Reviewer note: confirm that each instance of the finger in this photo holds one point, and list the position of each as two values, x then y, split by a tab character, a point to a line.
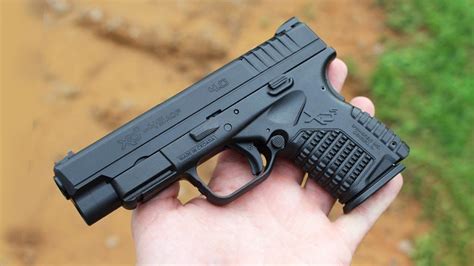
322	198
365	104
355	225
319	197
286	173
157	207
231	172
167	198
337	74
170	193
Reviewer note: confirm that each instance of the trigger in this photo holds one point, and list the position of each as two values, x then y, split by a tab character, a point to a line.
252	154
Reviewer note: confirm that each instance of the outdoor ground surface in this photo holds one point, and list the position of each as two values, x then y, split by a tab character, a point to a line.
74	70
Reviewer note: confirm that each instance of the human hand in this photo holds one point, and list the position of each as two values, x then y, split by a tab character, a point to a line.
276	222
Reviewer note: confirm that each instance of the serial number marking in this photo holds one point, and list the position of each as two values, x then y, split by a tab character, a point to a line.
365	138
201	145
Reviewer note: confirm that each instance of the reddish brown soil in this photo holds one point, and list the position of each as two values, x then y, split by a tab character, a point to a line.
71	73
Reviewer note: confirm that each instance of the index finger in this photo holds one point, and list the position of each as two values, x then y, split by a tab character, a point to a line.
337	73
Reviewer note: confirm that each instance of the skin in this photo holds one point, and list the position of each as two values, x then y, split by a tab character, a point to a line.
276	222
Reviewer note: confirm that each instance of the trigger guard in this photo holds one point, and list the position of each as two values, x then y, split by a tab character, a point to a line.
254	158
216	199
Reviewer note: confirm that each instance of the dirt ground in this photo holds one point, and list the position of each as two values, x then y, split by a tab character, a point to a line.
74	70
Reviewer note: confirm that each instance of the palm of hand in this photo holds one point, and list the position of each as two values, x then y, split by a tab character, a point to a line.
276	222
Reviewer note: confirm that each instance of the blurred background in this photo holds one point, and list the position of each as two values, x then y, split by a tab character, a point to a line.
73	70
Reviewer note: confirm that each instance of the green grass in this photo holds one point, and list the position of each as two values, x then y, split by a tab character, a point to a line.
424	88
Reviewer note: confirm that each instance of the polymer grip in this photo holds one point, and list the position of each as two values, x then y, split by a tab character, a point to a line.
344	168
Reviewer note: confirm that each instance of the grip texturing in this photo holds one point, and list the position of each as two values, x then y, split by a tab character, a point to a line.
331	159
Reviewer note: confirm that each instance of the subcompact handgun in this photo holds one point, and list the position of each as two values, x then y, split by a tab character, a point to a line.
274	100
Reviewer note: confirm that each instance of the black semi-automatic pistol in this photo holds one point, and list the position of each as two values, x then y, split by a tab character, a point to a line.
274	100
